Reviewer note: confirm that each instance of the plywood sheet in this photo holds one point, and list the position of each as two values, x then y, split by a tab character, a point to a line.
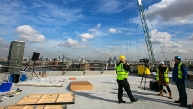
64	98
13	107
55	107
34	96
35	107
50	96
60	100
28	101
46	100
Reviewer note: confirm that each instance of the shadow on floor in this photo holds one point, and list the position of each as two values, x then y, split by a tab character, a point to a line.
141	96
90	95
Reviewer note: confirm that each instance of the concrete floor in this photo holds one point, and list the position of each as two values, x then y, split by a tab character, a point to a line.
104	94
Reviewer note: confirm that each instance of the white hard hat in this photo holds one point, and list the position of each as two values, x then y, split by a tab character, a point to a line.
161	62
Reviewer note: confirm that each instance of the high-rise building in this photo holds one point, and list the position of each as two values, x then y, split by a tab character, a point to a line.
115	60
15	57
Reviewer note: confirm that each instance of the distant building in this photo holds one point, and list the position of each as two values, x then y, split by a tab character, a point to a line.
15	57
110	60
114	60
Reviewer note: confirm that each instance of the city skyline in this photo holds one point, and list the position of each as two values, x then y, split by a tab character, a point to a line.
97	30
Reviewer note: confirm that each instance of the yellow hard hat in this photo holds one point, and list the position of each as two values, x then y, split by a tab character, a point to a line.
121	57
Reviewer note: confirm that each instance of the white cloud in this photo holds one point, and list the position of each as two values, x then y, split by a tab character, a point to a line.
191	50
71	44
98	25
172	45
27	33
160	37
87	36
115	48
113	30
183	42
181	51
47	13
175	11
84	40
191	37
104	52
96	31
3	43
109	6
164	39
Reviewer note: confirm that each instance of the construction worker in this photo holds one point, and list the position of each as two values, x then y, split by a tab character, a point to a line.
189	64
122	69
179	77
163	79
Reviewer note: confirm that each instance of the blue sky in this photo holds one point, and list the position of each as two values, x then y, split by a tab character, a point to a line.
97	29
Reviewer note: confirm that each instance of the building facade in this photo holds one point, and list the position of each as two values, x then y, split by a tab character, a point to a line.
15	57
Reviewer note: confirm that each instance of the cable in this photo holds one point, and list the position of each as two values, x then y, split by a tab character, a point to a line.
126	29
156	36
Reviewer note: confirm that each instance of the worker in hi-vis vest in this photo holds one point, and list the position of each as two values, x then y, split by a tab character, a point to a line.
179	77
163	79
122	70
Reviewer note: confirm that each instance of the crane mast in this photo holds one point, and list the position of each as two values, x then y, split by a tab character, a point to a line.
146	33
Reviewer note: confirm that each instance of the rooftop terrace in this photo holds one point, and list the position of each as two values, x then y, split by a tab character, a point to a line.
104	93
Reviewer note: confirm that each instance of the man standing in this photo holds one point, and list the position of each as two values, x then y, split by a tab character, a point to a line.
122	70
179	77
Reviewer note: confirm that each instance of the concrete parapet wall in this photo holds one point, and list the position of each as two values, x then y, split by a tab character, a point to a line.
4	76
79	73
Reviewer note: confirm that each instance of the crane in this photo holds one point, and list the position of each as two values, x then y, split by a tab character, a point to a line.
146	33
148	42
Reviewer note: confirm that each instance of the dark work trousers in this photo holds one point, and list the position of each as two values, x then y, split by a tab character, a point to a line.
168	88
182	92
124	84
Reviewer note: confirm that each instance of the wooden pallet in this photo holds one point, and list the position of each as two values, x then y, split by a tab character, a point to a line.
35	107
81	85
65	98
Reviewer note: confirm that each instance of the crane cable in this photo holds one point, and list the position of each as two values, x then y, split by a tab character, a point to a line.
156	37
127	33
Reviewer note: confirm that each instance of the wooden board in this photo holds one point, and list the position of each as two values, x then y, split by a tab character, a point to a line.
72	78
38	84
64	98
28	101
81	85
13	107
35	107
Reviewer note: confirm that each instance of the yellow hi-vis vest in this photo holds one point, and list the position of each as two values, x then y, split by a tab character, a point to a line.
165	75
121	72
179	71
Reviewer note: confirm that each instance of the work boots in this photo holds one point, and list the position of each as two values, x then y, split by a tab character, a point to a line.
170	95
121	101
160	93
134	100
